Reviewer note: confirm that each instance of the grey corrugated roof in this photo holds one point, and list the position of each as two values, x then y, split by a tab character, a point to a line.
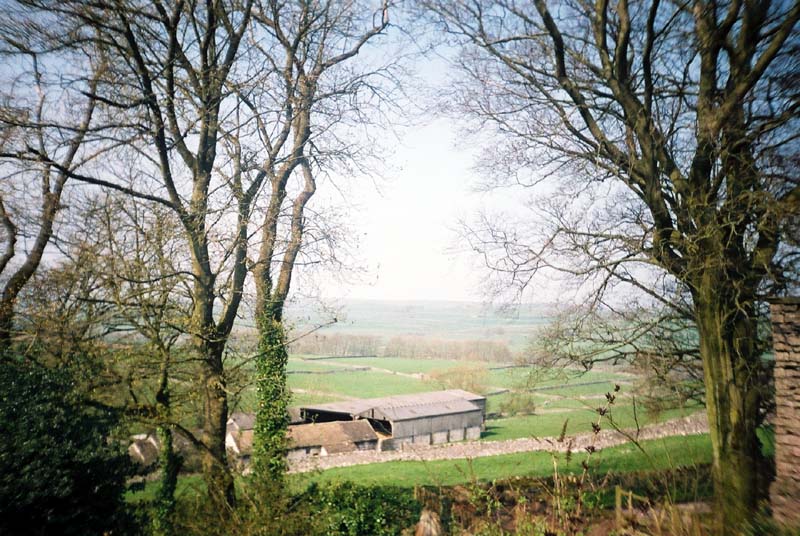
347	407
404	413
247	421
466	395
403	407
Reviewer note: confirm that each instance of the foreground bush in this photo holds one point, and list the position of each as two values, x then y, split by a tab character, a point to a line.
352	510
341	509
59	474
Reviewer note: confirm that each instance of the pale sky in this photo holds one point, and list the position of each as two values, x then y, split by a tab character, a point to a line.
409	225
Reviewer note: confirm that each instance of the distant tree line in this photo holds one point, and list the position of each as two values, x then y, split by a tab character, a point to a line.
342	345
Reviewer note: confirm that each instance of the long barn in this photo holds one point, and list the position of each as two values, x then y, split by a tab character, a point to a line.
419	419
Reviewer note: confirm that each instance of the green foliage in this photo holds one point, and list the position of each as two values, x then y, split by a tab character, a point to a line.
469	377
59	473
272	415
170	464
518	403
349	509
336	509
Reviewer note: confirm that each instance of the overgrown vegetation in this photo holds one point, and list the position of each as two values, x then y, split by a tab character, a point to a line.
62	468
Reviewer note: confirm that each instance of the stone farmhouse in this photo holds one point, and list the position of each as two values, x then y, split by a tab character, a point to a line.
321	439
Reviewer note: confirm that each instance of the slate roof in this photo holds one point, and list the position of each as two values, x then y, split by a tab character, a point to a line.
240	442
405	407
340	436
241	421
247	421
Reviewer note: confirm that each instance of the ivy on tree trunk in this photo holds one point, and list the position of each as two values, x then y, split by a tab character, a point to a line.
272	417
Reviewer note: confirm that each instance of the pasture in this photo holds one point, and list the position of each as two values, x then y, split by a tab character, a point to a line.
432	319
667	453
521	401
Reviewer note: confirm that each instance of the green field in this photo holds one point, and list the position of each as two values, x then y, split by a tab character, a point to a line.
435	319
540	413
361	384
296	364
577	422
552	408
664	453
659	454
536	378
399	364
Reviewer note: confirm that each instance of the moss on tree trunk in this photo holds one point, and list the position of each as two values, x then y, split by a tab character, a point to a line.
170	464
731	366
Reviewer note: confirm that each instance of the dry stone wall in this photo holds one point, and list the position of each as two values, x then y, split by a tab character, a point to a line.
694	424
785	491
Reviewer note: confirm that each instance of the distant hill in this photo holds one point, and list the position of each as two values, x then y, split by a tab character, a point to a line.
432	319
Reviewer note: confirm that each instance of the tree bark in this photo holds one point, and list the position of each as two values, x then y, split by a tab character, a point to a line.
731	366
24	273
216	472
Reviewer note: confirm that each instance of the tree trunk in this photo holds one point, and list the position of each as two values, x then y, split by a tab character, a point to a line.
731	367
18	280
170	464
272	419
6	325
216	472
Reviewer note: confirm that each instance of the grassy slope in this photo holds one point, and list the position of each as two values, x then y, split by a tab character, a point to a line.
314	366
533	378
659	454
368	384
578	422
248	402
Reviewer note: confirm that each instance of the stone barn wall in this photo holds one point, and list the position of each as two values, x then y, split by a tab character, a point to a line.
785	491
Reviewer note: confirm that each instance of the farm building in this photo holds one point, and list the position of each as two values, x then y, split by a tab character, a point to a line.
144	450
326	438
308	439
239	442
386	423
240	421
419	419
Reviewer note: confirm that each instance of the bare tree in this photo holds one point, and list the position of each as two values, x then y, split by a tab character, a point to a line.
320	88
137	259
164	97
215	112
671	130
46	109
122	304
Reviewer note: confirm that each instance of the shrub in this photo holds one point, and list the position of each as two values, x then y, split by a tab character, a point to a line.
352	510
473	378
59	473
